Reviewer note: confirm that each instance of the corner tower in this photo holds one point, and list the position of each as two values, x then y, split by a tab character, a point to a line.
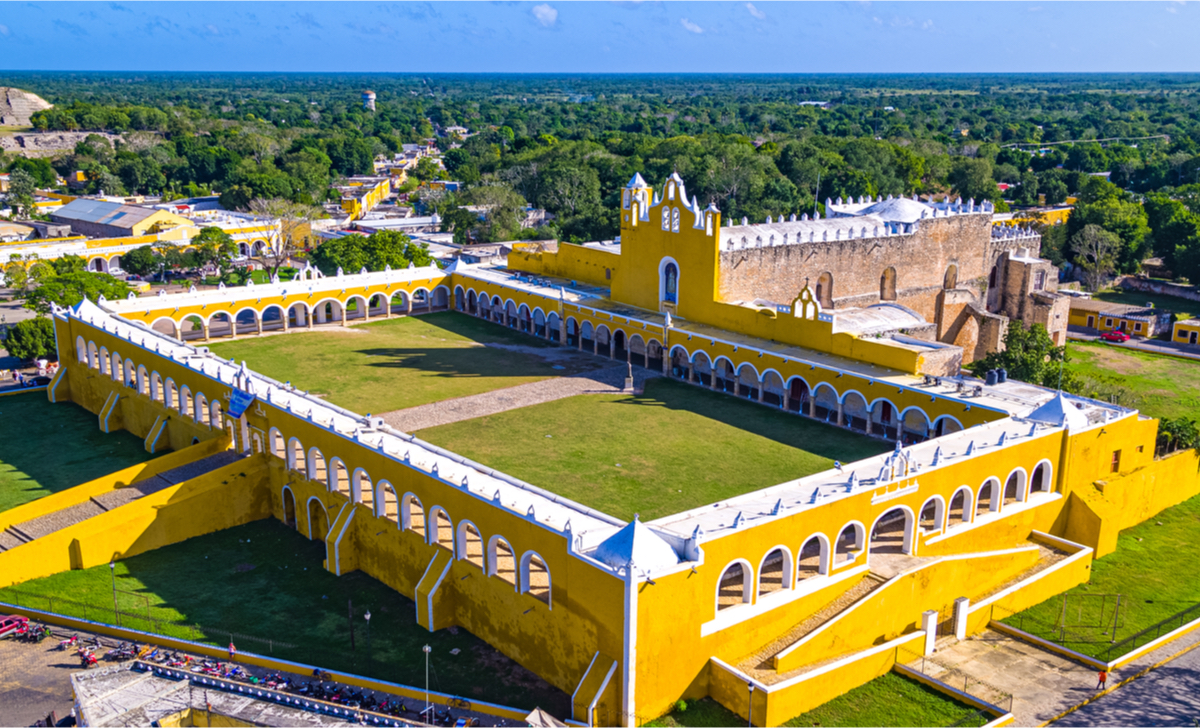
669	249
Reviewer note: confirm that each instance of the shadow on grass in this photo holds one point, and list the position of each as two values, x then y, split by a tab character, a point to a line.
46	448
267	581
476	329
788	429
461	362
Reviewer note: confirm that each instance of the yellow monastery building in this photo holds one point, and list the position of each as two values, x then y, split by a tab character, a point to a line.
994	498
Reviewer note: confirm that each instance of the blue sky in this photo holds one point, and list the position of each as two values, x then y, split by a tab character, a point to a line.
604	37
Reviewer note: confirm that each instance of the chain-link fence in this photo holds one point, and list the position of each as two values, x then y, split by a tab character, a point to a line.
1151	633
1074	621
141	618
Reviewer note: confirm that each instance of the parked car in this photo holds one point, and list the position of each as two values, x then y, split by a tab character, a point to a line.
1117	337
11	623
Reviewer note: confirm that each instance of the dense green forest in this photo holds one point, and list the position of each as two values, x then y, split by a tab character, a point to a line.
750	144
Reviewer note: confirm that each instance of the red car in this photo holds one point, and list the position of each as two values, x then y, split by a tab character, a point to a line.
1117	337
11	623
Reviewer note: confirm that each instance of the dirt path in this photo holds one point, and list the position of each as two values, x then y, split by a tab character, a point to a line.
603	381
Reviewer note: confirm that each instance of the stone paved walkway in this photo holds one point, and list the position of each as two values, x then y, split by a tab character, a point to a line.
1043	684
602	381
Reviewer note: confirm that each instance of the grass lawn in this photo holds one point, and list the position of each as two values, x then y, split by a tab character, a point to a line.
1137	298
676	447
890	700
1162	386
704	713
1152	569
402	362
265	580
45	448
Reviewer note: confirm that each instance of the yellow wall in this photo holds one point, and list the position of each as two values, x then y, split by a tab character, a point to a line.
1109	322
572	262
217	500
112	481
645	248
1182	330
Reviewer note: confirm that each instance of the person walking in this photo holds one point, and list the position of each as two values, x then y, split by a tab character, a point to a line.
232	651
1103	680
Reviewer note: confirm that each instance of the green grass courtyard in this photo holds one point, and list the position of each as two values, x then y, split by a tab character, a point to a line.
48	447
673	448
266	581
1151	570
1160	386
404	362
890	700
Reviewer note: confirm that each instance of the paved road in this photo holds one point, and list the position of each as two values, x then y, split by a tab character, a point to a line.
1153	346
1168	696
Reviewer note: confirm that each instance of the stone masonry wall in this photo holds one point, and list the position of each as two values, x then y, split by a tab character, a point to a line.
920	259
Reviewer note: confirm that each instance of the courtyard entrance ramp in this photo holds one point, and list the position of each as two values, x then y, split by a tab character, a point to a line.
24	532
19	525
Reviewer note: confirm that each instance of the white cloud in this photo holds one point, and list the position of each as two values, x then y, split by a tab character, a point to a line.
927	25
689	25
3	29
545	15
756	12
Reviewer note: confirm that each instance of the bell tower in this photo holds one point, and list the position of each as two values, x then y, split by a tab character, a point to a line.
635	205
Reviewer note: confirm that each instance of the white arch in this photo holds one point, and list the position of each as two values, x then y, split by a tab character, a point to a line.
356	478
789	574
910	525
380	500
997	494
493	566
406	502
81	350
433	529
1047	484
308	513
1022	484
525	587
939	514
859	546
825	555
170	393
968	510
276	444
662	277
958	425
461	550
747	584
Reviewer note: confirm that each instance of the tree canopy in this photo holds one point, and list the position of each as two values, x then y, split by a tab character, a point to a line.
375	252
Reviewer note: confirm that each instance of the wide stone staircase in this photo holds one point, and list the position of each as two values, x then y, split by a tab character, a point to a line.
35	528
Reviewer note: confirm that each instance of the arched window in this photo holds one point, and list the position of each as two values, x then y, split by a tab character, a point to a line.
814	558
775	572
470	544
671	283
675	220
1040	483
666	218
825	290
295	457
960	507
951	279
887	285
339	477
931	515
275	444
535	577
316	466
501	561
849	543
735	587
216	415
388	504
412	515
441	528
